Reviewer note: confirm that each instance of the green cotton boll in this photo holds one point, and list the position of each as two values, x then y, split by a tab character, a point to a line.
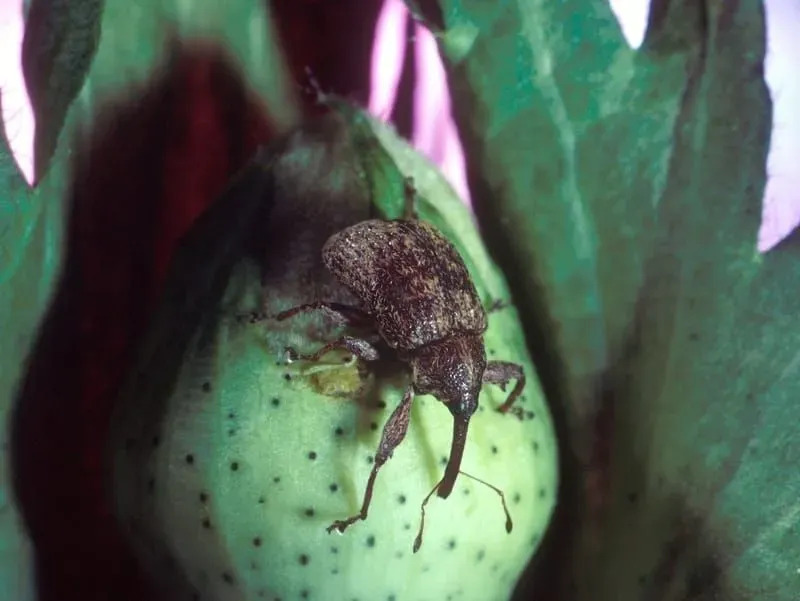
228	462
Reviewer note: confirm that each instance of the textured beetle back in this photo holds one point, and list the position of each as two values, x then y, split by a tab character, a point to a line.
409	277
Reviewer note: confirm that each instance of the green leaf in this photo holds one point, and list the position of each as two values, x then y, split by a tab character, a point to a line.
60	40
544	91
23	246
621	191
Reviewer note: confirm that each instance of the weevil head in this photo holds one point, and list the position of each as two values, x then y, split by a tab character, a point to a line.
452	371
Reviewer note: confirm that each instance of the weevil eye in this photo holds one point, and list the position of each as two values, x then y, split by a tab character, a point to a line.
463	406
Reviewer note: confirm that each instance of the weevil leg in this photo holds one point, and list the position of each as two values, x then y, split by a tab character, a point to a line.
358	346
352	316
410	197
393	434
496	305
501	373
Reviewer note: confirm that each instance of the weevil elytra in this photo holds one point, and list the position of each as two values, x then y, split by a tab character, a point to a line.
416	293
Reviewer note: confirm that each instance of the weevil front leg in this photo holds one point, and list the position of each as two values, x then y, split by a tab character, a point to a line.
358	346
393	434
501	373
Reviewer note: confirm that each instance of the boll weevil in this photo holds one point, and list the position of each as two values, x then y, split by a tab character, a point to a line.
415	294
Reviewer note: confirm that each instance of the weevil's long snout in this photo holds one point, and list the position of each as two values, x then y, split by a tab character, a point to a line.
460	427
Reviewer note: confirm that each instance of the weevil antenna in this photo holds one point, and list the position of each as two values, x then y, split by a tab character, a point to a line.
509	523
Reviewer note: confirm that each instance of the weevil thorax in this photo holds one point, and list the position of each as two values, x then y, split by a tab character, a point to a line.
452	371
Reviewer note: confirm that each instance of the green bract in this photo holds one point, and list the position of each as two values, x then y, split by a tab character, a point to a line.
229	463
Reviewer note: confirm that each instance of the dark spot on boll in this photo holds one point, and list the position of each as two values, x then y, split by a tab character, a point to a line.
535	447
370	459
257	541
261	500
370	541
312	455
443	461
516	498
234	466
304	594
253	565
542	493
287	376
334	487
304	559
276	479
398	554
451	544
481	555
391	598
494	450
231	415
339	431
530	414
206	523
231	431
275	401
190	459
373	426
227	577
309	512
401	499
465	491
406	526
335	571
203	496
206	387
334	550
381	405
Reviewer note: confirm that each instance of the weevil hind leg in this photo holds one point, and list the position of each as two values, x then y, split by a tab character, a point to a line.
393	434
501	373
496	305
349	314
358	346
410	198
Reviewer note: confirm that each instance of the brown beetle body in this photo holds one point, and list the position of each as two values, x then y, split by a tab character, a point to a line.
409	278
414	289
